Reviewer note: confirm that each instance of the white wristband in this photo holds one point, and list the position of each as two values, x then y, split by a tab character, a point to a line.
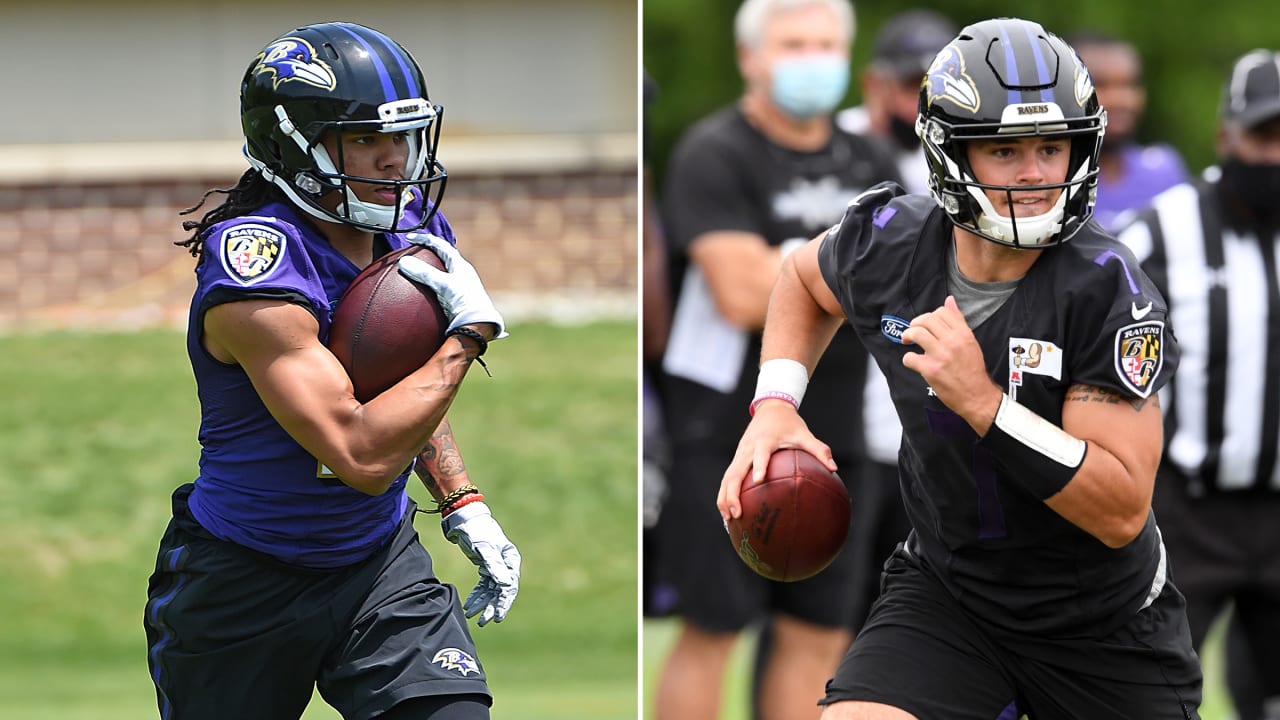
1039	434
782	379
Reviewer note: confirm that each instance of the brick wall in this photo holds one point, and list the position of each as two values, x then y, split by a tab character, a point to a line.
99	254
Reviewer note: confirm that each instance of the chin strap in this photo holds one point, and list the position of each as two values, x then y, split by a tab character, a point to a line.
385	217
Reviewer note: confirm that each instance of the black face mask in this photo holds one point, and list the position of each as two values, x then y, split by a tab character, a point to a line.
904	133
1256	188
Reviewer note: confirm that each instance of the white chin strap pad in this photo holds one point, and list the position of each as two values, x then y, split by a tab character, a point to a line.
382	216
1032	230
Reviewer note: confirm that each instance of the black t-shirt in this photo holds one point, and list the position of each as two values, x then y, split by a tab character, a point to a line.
726	176
1085	313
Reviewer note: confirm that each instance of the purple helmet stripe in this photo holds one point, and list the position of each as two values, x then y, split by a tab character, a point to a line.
1042	69
402	61
388	86
1011	66
399	54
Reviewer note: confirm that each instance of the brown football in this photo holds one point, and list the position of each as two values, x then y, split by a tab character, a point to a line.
794	523
385	325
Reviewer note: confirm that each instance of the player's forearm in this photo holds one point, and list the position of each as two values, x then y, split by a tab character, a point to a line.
440	465
1105	499
389	431
1110	496
1097	470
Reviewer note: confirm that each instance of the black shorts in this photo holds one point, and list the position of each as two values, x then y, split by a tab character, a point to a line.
921	652
714	589
1222	550
232	633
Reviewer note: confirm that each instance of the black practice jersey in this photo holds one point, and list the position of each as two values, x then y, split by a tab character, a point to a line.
1083	314
725	175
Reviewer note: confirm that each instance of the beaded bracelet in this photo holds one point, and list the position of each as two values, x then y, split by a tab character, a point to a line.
447	511
453	497
483	344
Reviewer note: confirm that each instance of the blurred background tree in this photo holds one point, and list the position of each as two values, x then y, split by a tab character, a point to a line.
1186	48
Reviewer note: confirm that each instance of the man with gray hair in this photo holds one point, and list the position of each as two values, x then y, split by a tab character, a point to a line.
745	186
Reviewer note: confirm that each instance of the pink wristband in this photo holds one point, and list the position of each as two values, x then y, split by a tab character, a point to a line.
772	395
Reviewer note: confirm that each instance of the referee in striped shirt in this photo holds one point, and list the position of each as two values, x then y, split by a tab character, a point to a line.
1211	245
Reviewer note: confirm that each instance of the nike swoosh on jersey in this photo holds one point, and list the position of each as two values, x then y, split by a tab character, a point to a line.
1140	312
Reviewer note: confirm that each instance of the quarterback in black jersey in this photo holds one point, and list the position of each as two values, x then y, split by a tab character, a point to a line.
1024	369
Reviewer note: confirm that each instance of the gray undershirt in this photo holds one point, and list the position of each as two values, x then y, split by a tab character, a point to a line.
977	300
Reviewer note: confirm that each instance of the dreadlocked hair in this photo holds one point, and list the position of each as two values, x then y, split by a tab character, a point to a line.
251	192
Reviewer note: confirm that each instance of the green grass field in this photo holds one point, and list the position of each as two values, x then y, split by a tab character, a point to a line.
97	429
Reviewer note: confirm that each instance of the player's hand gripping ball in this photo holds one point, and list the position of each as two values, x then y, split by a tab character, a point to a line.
386	326
794	522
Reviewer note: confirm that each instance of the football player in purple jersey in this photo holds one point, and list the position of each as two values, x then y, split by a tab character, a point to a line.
291	562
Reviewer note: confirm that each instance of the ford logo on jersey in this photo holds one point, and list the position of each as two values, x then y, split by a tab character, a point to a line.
892	327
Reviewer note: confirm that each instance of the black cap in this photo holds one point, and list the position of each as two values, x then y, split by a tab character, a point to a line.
907	42
1252	95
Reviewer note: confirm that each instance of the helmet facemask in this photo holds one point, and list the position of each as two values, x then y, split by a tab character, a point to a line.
323	174
955	187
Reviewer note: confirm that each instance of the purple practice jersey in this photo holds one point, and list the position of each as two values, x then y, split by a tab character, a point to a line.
1146	172
257	486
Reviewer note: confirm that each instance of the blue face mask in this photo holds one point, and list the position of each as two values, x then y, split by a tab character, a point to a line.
809	85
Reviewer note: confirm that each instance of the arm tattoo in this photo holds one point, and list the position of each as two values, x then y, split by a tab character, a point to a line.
427	480
1095	394
440	464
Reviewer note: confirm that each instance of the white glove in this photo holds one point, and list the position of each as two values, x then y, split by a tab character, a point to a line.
460	292
472	528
